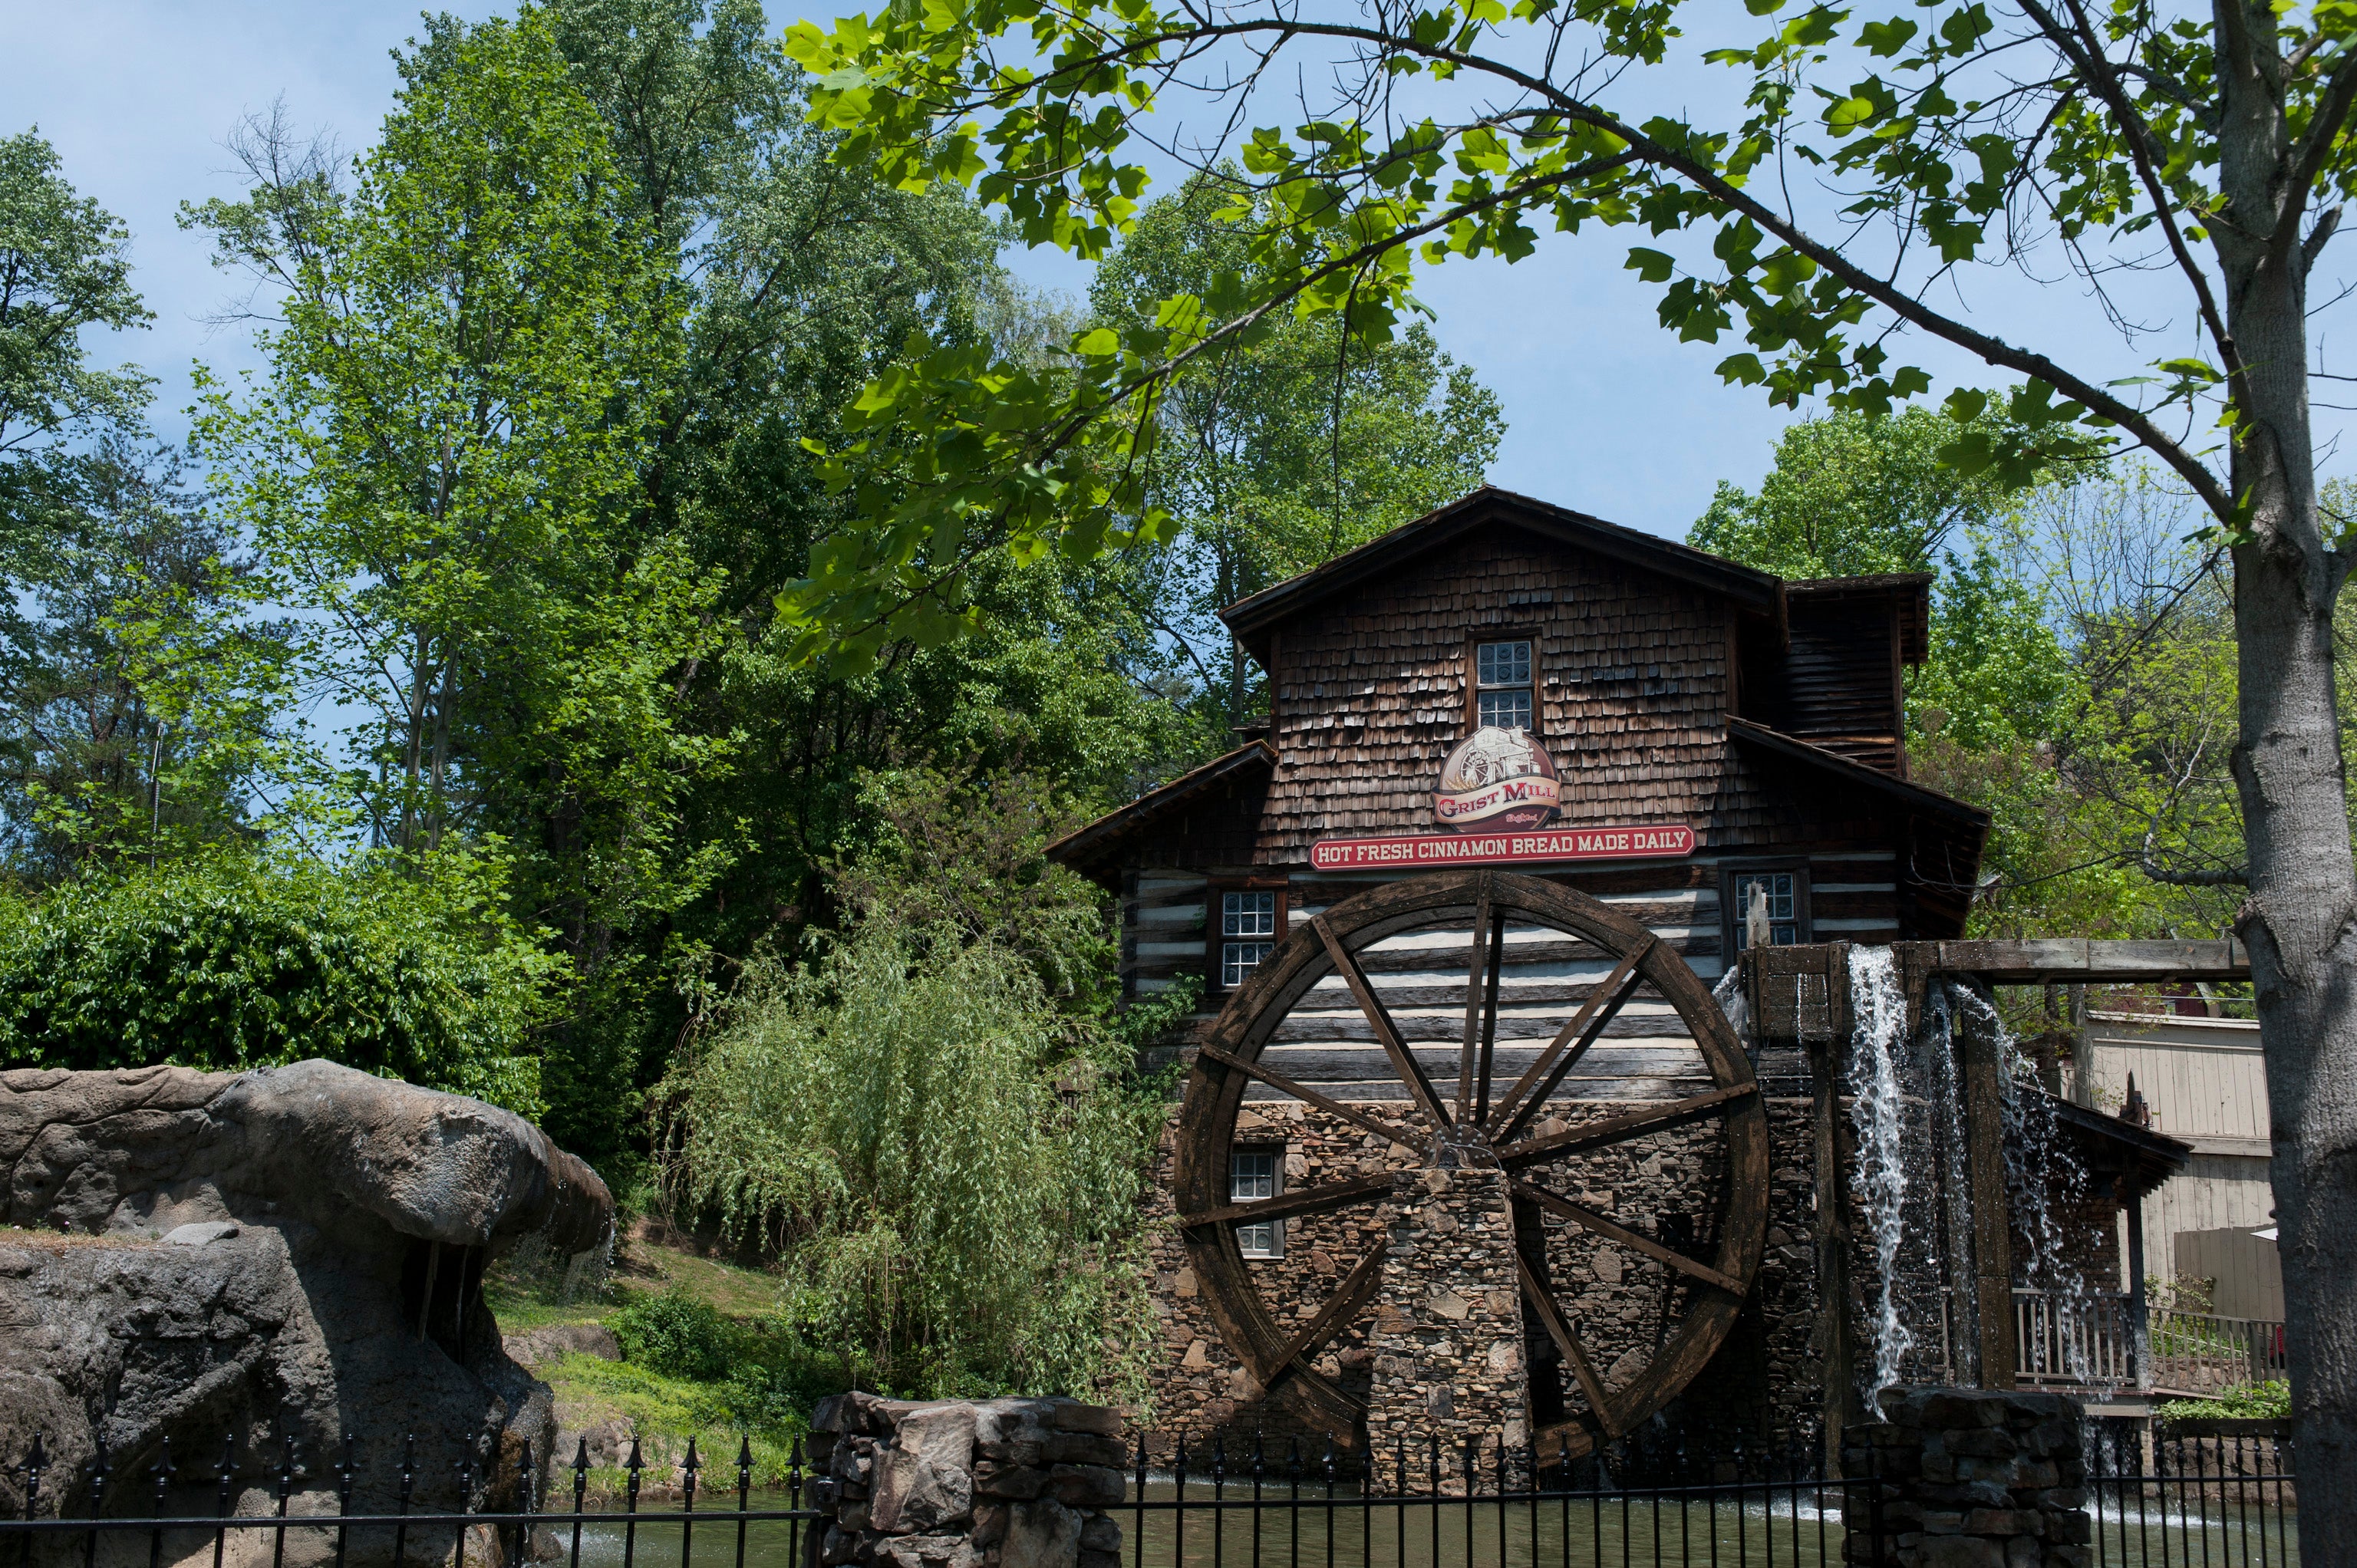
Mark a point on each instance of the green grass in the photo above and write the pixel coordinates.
(761, 1394)
(2262, 1401)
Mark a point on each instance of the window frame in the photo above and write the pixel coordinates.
(1276, 1154)
(1474, 643)
(1214, 984)
(1730, 920)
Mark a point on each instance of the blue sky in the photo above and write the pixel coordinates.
(1606, 413)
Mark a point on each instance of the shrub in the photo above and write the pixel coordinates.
(676, 1335)
(233, 961)
(2270, 1400)
(948, 1169)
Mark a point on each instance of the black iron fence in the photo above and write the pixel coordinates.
(754, 1527)
(1476, 1506)
(2218, 1498)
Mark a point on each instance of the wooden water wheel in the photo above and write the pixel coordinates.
(1459, 1118)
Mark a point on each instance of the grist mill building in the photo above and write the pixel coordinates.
(1474, 1151)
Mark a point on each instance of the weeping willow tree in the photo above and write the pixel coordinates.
(948, 1169)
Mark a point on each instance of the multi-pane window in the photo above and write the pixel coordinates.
(1503, 684)
(1783, 889)
(1252, 1174)
(1247, 934)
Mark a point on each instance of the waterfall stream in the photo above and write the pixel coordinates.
(1880, 1008)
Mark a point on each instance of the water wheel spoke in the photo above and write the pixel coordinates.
(1379, 1019)
(1481, 1007)
(1320, 1199)
(1302, 1092)
(1657, 1118)
(1568, 1343)
(1350, 1298)
(1588, 1218)
(1584, 1028)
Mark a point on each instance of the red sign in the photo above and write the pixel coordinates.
(1503, 848)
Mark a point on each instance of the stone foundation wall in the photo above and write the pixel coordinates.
(1968, 1478)
(1763, 1387)
(1011, 1483)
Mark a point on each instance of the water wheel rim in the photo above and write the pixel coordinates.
(1254, 1012)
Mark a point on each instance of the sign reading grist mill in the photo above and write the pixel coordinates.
(1497, 799)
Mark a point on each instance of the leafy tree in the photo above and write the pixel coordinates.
(228, 962)
(1285, 451)
(1853, 494)
(1879, 158)
(65, 265)
(443, 471)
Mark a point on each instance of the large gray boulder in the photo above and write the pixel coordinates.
(196, 1259)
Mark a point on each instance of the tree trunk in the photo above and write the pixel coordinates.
(2300, 919)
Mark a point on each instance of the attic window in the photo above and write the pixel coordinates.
(1503, 684)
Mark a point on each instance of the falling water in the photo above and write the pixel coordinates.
(1881, 1011)
(1729, 995)
(1946, 1093)
(2042, 1180)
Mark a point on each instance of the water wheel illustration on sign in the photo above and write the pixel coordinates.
(1674, 1180)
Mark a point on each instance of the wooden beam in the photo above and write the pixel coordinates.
(1598, 1401)
(1301, 1201)
(1654, 1118)
(1303, 1093)
(1590, 1219)
(1379, 1019)
(1356, 1289)
(2076, 961)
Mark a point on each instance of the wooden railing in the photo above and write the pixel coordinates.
(2088, 1341)
(2091, 1342)
(2194, 1352)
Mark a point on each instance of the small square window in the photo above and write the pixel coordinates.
(1247, 913)
(1506, 710)
(1782, 888)
(1252, 1176)
(1501, 680)
(1247, 934)
(1504, 663)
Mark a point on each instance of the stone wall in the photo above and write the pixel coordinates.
(1010, 1483)
(1448, 1336)
(1968, 1478)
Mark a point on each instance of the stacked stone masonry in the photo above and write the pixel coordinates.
(1009, 1483)
(1968, 1478)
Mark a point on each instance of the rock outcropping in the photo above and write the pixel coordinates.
(207, 1259)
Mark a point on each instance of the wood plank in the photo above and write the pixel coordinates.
(1403, 1062)
(1616, 1129)
(1590, 1219)
(1328, 1063)
(1320, 1199)
(1303, 1093)
(2067, 960)
(1568, 1343)
(1426, 1029)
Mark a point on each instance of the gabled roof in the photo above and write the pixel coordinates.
(1913, 795)
(1756, 593)
(1945, 835)
(1092, 842)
